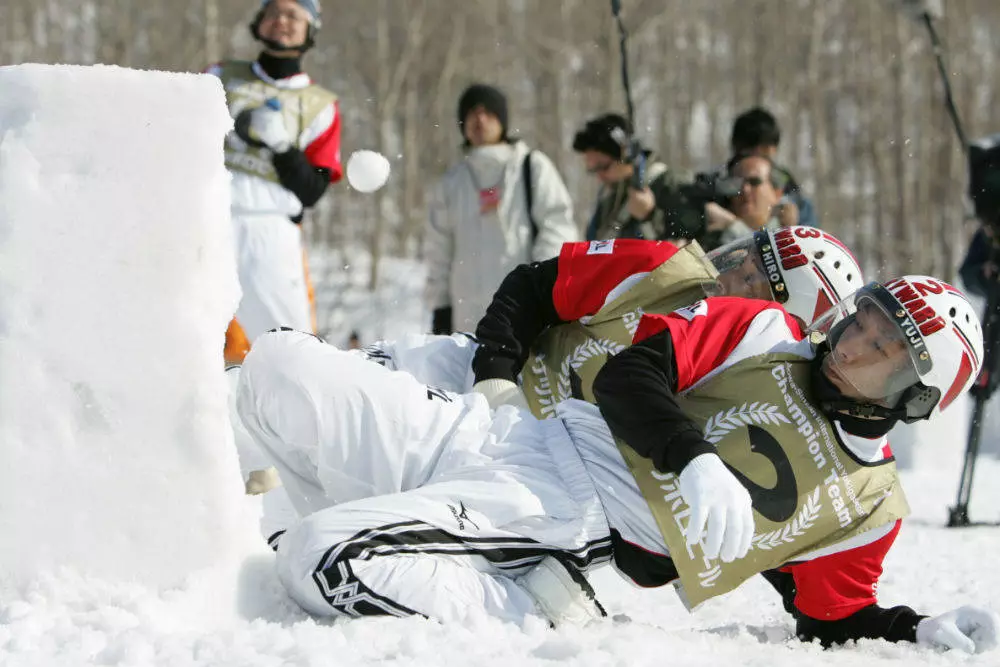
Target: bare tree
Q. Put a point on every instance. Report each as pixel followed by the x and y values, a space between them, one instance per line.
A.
pixel 854 86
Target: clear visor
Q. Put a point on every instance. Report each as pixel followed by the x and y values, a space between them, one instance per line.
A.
pixel 869 357
pixel 741 270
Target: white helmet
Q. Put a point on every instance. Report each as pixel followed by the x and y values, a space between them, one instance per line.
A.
pixel 928 318
pixel 804 269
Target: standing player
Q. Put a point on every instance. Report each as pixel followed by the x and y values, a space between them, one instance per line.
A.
pixel 283 154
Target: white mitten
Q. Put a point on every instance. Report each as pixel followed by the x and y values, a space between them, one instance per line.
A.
pixel 262 481
pixel 267 126
pixel 719 502
pixel 501 392
pixel 970 629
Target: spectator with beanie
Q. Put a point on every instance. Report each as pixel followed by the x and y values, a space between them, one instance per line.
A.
pixel 502 205
pixel 756 132
pixel 283 154
pixel 657 211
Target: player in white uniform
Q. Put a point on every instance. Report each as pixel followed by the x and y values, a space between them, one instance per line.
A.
pixel 282 155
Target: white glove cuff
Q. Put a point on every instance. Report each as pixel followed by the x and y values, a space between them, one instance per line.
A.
pixel 703 464
pixel 500 392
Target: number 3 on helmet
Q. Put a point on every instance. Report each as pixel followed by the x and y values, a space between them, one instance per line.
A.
pixel 812 268
pixel 804 269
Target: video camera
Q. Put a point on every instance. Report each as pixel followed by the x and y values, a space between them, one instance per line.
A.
pixel 711 187
pixel 707 188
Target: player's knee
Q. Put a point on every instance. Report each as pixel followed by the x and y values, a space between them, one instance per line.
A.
pixel 338 579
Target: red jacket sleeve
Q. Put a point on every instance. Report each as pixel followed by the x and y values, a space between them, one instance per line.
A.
pixel 589 271
pixel 324 151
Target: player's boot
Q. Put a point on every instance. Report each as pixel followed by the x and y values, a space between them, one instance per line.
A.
pixel 561 593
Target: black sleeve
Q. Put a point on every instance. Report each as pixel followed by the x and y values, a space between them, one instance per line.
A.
pixel 635 392
pixel 898 624
pixel 441 321
pixel 296 173
pixel 971 270
pixel 522 308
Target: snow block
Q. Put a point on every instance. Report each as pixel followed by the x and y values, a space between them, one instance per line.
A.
pixel 117 280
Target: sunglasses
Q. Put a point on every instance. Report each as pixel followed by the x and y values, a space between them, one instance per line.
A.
pixel 600 168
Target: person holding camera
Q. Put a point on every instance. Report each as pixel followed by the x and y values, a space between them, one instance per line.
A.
pixel 757 202
pixel 655 209
pixel 756 132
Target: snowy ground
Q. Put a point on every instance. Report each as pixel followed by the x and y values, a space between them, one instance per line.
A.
pixel 62 619
pixel 116 466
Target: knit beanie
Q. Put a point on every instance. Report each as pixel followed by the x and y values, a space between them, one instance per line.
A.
pixel 492 99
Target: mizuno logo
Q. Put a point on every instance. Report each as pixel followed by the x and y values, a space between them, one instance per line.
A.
pixel 462 516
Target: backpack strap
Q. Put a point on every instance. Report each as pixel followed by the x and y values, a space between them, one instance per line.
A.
pixel 526 175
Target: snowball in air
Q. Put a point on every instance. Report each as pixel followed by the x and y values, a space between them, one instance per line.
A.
pixel 367 171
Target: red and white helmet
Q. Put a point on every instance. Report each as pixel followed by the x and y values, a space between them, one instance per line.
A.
pixel 933 322
pixel 804 269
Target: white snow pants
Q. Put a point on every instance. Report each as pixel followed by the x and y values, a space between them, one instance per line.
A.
pixel 271 273
pixel 439 361
pixel 412 500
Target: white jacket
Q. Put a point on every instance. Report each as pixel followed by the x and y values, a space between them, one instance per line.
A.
pixel 469 253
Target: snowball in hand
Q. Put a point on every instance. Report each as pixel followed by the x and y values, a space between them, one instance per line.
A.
pixel 367 171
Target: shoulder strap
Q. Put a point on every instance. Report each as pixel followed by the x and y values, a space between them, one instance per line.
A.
pixel 526 173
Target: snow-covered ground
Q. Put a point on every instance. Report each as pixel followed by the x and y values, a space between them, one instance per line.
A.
pixel 62 618
pixel 126 540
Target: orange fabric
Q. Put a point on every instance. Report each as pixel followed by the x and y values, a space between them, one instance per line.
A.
pixel 237 344
pixel 312 293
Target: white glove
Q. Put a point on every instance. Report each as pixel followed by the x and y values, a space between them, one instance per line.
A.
pixel 267 126
pixel 970 629
pixel 718 501
pixel 501 392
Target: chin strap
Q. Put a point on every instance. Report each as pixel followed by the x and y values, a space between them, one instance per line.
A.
pixel 860 410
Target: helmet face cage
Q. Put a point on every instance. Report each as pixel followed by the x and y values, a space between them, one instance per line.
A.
pixel 741 270
pixel 939 329
pixel 869 352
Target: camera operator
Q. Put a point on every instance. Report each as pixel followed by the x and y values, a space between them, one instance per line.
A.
pixel 756 202
pixel 657 211
pixel 977 269
pixel 756 132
